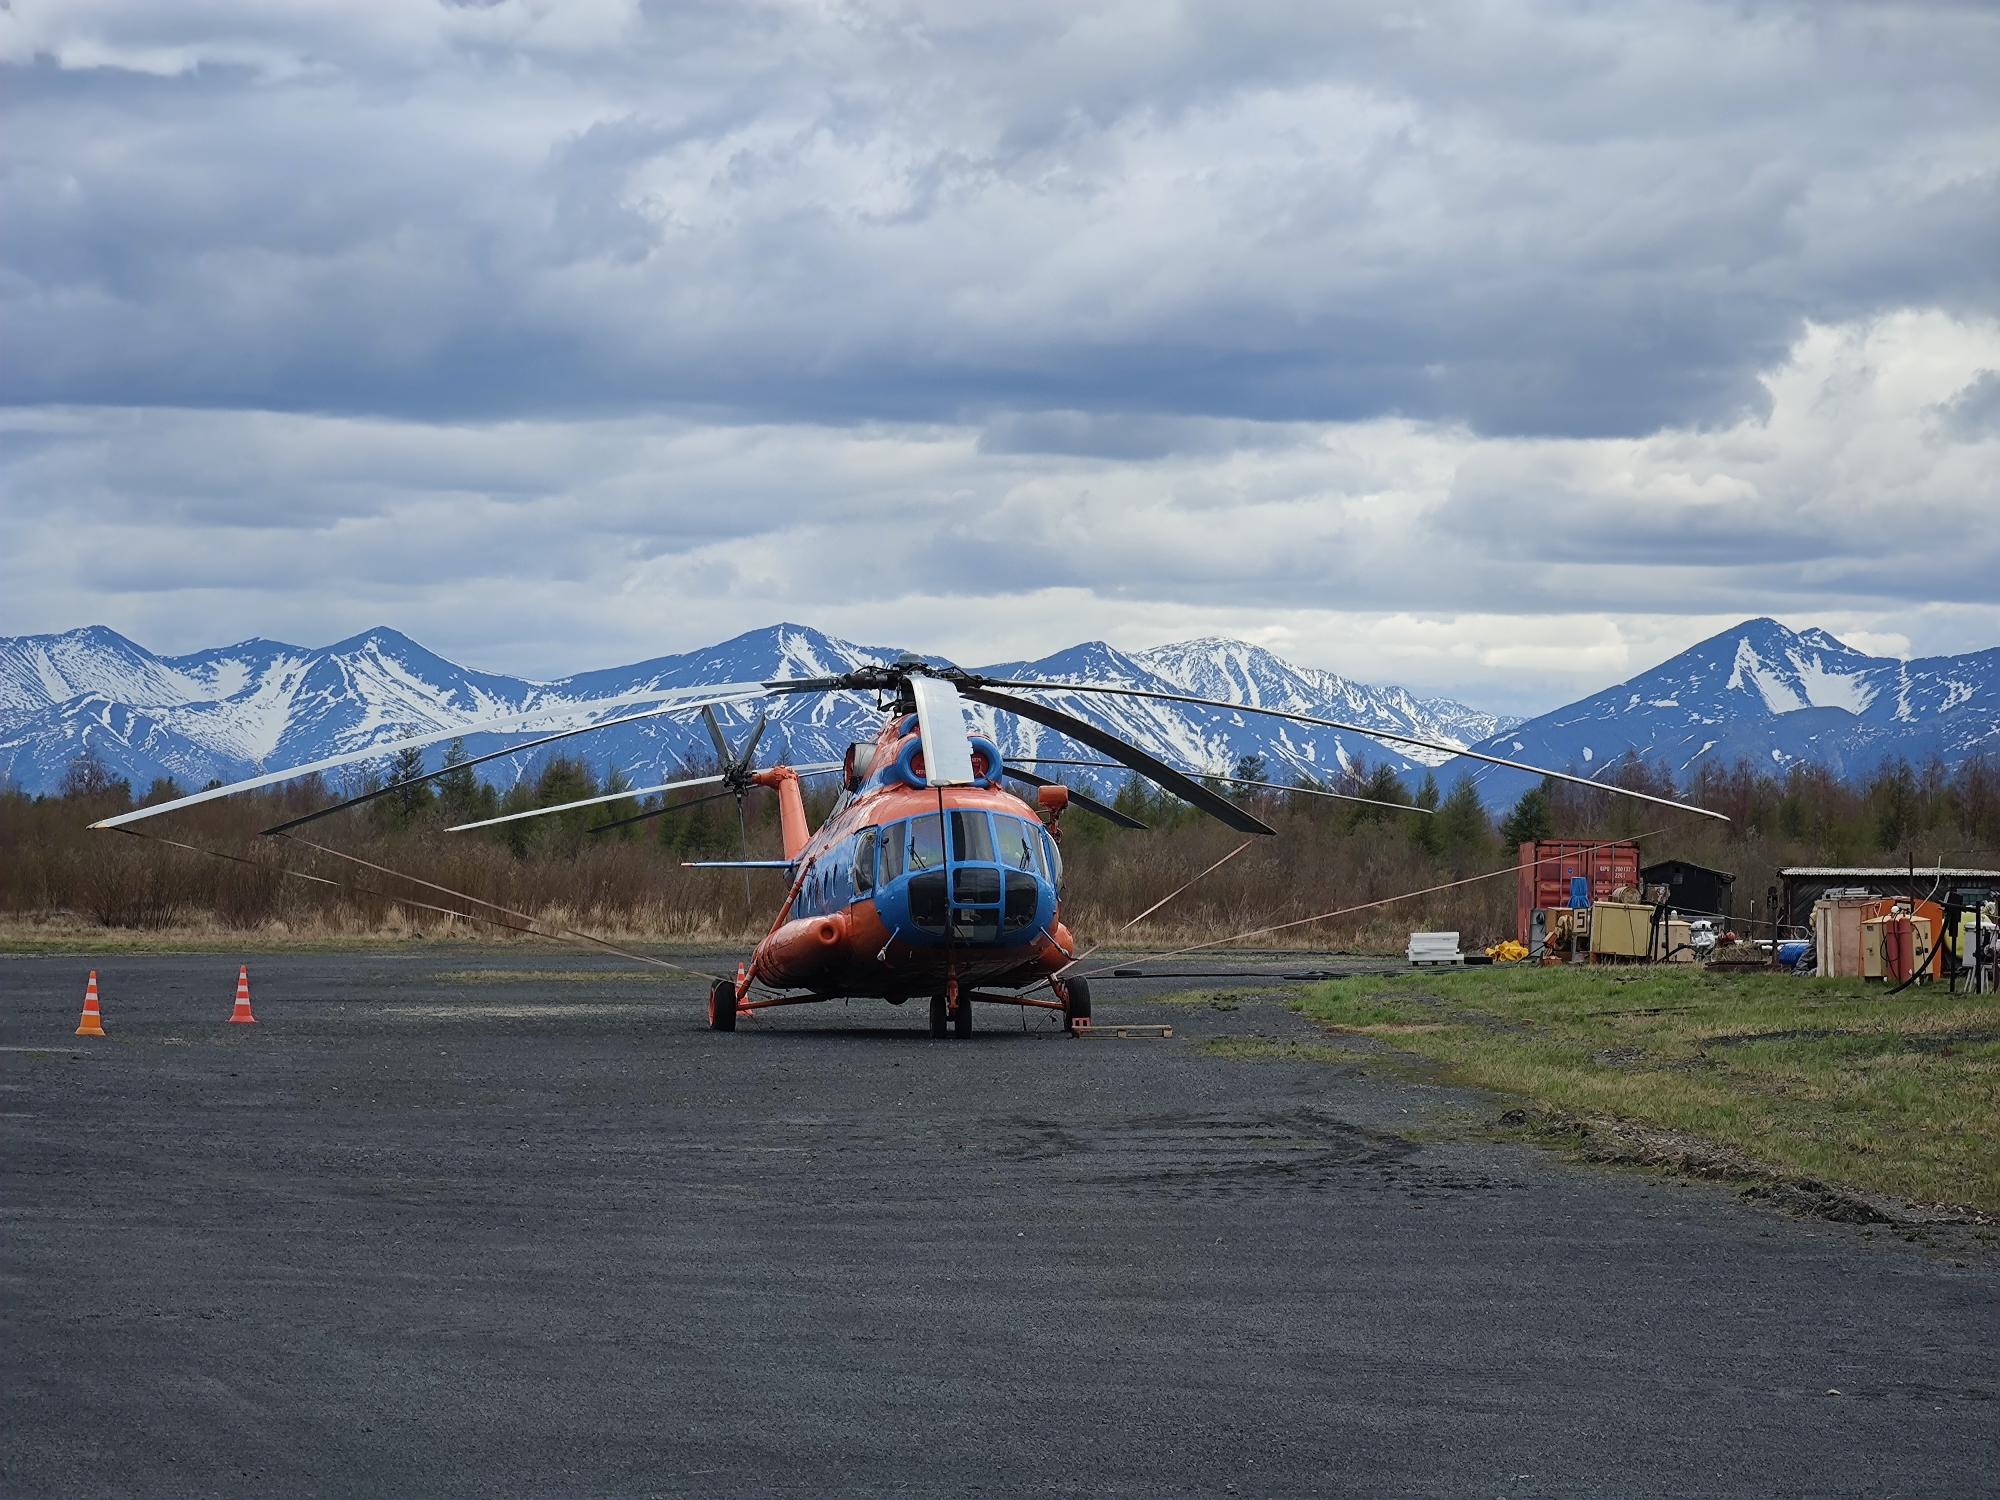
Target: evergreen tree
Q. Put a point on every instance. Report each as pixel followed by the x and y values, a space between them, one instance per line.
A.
pixel 1463 829
pixel 1424 830
pixel 1132 800
pixel 520 797
pixel 562 780
pixel 1381 785
pixel 404 806
pixel 458 789
pixel 1530 819
pixel 615 780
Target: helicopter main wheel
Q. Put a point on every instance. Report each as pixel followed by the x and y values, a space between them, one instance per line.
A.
pixel 961 1020
pixel 722 1005
pixel 1076 1002
pixel 938 1015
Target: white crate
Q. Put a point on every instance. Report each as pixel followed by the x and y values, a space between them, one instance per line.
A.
pixel 1435 948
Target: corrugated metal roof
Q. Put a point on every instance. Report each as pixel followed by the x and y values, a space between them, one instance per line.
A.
pixel 1901 872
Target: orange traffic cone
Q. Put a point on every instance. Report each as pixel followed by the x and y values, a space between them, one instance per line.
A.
pixel 241 1015
pixel 92 1023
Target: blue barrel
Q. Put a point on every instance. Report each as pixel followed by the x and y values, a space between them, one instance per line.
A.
pixel 1791 951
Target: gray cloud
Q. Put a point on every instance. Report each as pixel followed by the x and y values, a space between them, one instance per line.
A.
pixel 1975 411
pixel 1565 221
pixel 557 333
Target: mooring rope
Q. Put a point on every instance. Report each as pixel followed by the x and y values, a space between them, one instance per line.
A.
pixel 1134 922
pixel 532 929
pixel 535 926
pixel 1345 911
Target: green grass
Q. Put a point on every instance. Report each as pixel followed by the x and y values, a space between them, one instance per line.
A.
pixel 1828 1079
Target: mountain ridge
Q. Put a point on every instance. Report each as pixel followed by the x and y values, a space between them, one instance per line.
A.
pixel 1759 689
pixel 1766 693
pixel 228 712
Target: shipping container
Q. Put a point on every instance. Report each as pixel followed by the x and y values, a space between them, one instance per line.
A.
pixel 1547 866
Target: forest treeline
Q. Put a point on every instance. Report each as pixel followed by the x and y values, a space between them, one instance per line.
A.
pixel 626 881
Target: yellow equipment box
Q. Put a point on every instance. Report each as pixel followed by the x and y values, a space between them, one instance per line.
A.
pixel 1621 929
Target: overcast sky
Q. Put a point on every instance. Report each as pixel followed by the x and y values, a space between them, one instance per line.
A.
pixel 1498 349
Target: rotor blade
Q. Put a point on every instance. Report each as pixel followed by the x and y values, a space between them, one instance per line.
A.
pixel 556 807
pixel 1377 734
pixel 564 734
pixel 657 812
pixel 1313 791
pixel 724 756
pixel 1089 804
pixel 726 692
pixel 756 734
pixel 736 864
pixel 941 723
pixel 654 812
pixel 1144 762
pixel 1271 786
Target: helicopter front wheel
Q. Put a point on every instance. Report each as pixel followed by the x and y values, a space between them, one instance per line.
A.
pixel 1076 1003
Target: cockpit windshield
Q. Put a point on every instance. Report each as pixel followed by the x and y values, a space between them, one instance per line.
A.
pixel 1015 842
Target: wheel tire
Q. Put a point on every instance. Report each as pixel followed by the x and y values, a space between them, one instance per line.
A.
pixel 937 1016
pixel 961 1022
pixel 722 1005
pixel 1076 1003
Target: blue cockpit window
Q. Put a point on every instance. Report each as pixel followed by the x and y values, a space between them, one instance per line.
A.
pixel 926 843
pixel 1016 842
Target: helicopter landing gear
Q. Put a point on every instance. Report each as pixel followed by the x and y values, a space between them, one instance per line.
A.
pixel 951 1009
pixel 722 1005
pixel 1076 1003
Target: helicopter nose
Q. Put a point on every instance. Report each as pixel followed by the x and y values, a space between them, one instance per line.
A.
pixel 978 904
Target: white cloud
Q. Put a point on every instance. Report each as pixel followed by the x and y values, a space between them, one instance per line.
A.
pixel 1511 572
pixel 1497 349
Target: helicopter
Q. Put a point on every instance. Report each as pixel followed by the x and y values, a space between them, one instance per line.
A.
pixel 929 877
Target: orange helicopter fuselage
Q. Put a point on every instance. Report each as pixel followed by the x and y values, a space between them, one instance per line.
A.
pixel 910 889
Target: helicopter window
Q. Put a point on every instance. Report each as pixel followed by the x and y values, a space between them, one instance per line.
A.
pixel 864 862
pixel 1015 843
pixel 972 838
pixel 892 853
pixel 927 842
pixel 1053 851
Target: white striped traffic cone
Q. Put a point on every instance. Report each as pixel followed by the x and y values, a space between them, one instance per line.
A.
pixel 241 1015
pixel 92 1023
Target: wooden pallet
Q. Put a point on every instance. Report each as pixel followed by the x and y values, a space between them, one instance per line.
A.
pixel 1117 1033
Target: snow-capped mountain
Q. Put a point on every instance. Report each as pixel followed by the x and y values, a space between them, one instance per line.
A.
pixel 1773 695
pixel 1214 668
pixel 232 711
pixel 1759 690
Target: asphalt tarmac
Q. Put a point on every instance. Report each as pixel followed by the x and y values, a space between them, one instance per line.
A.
pixel 418 1234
